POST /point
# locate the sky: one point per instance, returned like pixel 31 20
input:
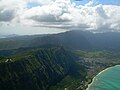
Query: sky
pixel 104 2
pixel 54 16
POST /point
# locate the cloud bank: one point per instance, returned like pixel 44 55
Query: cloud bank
pixel 61 14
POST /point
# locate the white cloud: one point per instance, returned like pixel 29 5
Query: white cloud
pixel 6 15
pixel 55 14
pixel 40 1
pixel 10 10
pixel 62 14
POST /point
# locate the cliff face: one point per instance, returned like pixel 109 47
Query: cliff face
pixel 37 69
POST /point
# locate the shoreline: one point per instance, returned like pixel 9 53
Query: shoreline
pixel 98 75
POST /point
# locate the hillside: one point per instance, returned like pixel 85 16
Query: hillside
pixel 75 39
pixel 55 62
pixel 38 69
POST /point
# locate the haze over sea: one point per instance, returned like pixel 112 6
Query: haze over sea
pixel 108 79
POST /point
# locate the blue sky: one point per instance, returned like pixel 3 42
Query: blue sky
pixel 33 4
pixel 104 2
pixel 82 2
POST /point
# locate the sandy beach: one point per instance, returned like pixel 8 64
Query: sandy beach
pixel 98 75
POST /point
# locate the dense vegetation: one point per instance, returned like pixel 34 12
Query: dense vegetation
pixel 55 62
pixel 72 39
pixel 38 69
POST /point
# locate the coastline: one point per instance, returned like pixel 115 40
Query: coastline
pixel 98 75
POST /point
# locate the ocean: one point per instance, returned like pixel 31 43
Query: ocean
pixel 108 79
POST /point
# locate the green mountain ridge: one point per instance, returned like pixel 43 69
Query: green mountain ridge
pixel 37 69
pixel 55 62
pixel 75 39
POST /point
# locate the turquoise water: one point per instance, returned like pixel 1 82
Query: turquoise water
pixel 107 80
